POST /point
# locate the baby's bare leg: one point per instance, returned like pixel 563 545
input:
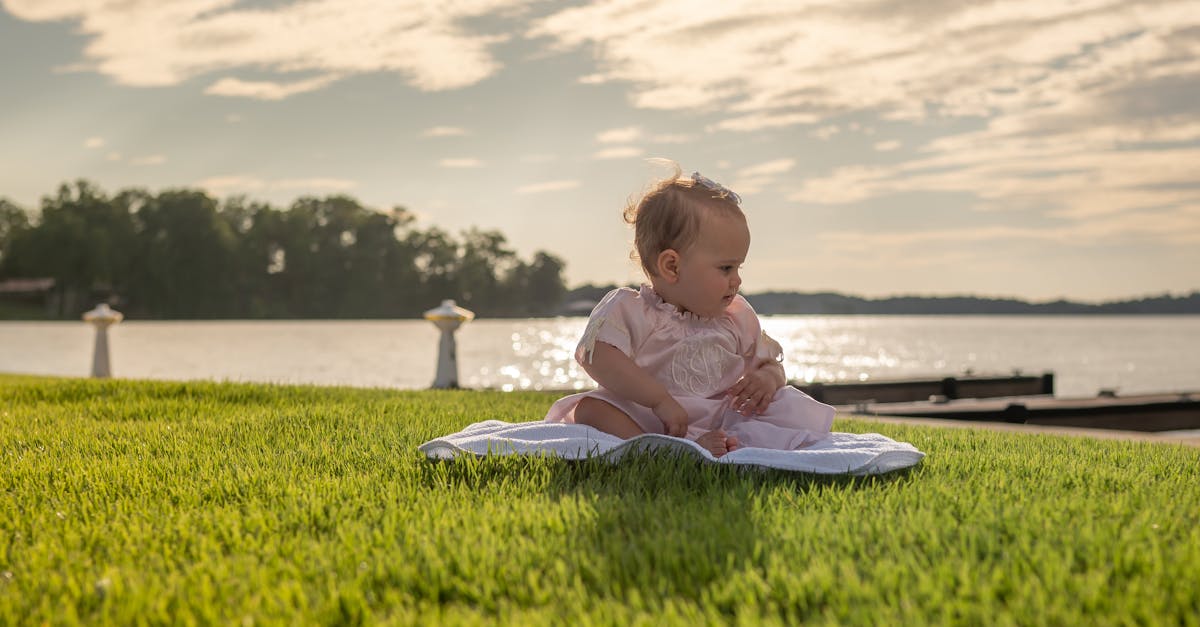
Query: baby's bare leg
pixel 594 412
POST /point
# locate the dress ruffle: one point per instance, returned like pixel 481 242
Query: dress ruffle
pixel 651 297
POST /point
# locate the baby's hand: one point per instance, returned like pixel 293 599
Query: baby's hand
pixel 752 394
pixel 673 415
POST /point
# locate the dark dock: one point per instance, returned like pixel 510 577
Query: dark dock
pixel 1143 412
pixel 1015 399
pixel 905 390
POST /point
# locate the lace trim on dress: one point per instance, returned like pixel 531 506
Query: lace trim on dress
pixel 588 341
pixel 774 349
pixel 649 295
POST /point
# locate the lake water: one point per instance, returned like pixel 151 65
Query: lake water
pixel 1130 354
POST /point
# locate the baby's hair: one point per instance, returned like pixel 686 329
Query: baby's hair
pixel 668 214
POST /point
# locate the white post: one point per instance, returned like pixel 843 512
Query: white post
pixel 447 317
pixel 102 317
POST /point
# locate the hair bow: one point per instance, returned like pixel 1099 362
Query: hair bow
pixel 712 185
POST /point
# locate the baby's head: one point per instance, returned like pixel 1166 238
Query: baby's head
pixel 690 235
pixel 670 214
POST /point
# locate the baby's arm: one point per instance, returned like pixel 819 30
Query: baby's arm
pixel 618 373
pixel 752 393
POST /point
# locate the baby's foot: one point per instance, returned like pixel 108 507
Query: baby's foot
pixel 717 443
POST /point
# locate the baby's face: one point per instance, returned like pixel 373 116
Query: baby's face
pixel 709 270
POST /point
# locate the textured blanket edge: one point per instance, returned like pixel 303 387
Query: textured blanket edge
pixel 840 453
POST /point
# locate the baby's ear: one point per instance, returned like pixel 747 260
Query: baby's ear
pixel 667 265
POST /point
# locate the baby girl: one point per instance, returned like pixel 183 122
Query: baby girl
pixel 685 355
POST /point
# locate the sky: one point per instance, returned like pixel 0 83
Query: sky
pixel 1031 149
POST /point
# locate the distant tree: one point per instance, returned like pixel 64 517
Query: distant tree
pixel 383 270
pixel 538 285
pixel 82 239
pixel 253 226
pixel 483 259
pixel 181 254
pixel 185 258
pixel 14 223
pixel 436 262
pixel 318 252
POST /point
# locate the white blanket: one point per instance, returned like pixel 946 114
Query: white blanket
pixel 840 453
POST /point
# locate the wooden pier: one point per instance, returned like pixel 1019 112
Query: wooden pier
pixel 1018 399
pixel 906 390
pixel 1144 412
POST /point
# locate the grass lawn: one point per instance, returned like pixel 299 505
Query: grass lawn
pixel 160 502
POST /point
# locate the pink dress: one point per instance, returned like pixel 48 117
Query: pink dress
pixel 697 359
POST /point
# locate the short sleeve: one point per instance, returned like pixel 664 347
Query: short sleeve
pixel 616 320
pixel 753 342
pixel 768 348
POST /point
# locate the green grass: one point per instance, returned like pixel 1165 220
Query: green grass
pixel 160 502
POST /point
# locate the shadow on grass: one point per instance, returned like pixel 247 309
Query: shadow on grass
pixel 659 525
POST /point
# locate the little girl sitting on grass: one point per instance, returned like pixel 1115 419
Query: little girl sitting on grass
pixel 685 355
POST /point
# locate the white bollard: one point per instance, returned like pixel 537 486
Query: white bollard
pixel 102 317
pixel 447 317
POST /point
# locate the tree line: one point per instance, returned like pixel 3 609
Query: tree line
pixel 181 253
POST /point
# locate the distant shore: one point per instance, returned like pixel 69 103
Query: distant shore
pixel 832 303
pixel 580 301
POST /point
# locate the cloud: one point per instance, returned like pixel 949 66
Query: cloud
pixel 1077 112
pixel 230 184
pixel 676 138
pixel 468 162
pixel 785 64
pixel 619 135
pixel 755 178
pixel 302 46
pixel 93 142
pixel 444 131
pixel 618 152
pixel 825 132
pixel 1168 226
pixel 315 183
pixel 148 160
pixel 760 121
pixel 235 184
pixel 547 186
pixel 1067 173
pixel 1075 179
pixel 266 90
pixel 768 168
pixel 623 135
